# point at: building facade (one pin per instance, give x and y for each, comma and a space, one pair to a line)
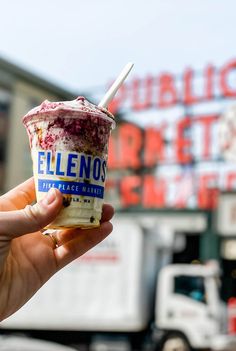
20, 91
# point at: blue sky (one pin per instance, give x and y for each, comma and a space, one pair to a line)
82, 45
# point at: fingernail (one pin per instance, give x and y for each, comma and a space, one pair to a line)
50, 197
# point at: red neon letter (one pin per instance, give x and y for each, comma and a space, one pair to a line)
188, 96
167, 91
128, 187
224, 75
208, 192
154, 192
154, 146
139, 103
207, 123
209, 79
130, 145
183, 144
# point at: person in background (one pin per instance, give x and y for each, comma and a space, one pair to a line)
27, 257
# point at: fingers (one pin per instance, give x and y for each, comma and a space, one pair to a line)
107, 213
31, 218
85, 240
64, 236
19, 197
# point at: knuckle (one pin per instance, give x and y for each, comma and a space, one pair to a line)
34, 217
26, 196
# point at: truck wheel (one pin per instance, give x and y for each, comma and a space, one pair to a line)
175, 342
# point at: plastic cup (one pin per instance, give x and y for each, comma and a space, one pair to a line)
69, 148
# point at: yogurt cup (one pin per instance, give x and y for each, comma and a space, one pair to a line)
69, 148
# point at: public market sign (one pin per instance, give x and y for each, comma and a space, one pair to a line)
168, 150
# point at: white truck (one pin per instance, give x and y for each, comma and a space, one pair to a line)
125, 295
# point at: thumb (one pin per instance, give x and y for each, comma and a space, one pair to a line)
31, 218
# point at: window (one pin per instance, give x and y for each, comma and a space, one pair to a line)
190, 286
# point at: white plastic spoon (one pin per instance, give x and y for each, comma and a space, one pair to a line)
115, 86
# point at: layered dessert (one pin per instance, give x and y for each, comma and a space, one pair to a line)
69, 147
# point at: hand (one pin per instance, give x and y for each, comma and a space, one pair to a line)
27, 257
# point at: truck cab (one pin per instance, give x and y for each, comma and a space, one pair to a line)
189, 311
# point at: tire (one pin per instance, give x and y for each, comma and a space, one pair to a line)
175, 342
